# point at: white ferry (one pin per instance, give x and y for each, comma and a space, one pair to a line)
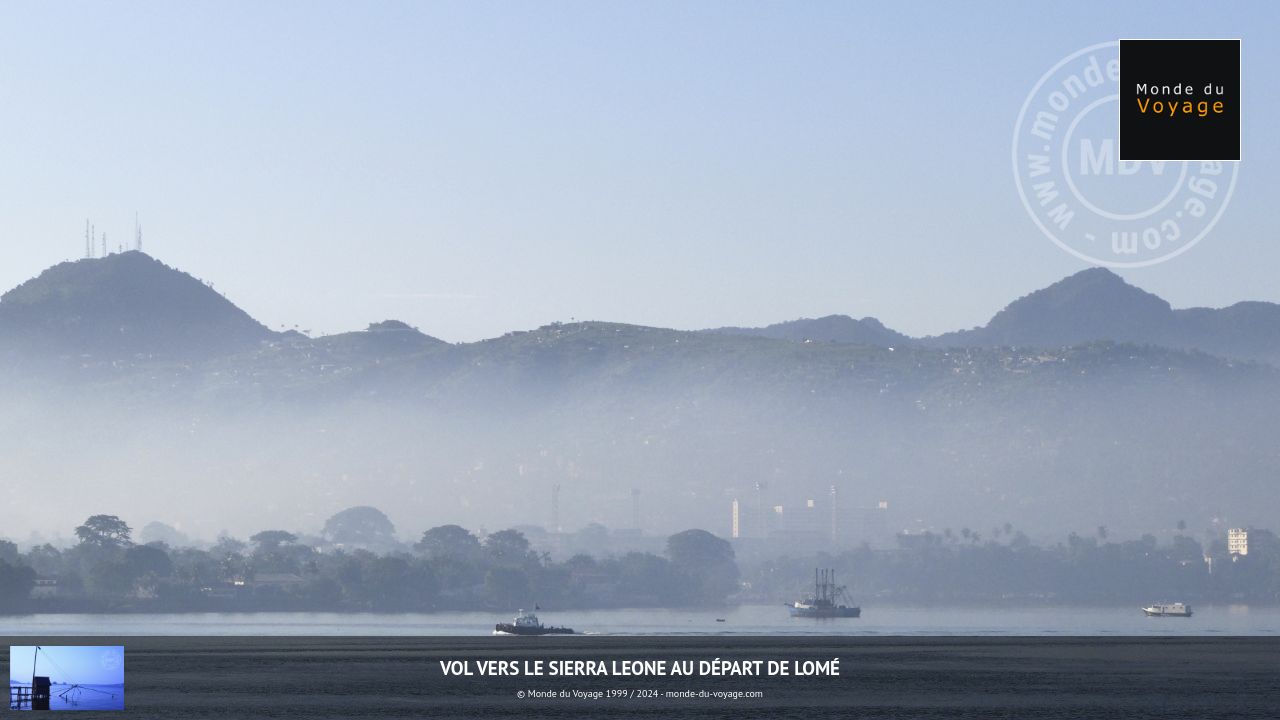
1168, 610
526, 623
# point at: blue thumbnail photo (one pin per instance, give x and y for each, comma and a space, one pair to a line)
66, 677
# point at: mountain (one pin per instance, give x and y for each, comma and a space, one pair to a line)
129, 304
389, 337
1094, 305
122, 306
832, 328
1091, 305
1006, 423
1249, 330
1097, 305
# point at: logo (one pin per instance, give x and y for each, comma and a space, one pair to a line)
1180, 99
1082, 196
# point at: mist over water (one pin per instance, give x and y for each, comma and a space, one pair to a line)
741, 620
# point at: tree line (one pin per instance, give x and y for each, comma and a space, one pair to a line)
957, 568
356, 565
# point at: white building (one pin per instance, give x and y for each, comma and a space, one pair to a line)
1238, 541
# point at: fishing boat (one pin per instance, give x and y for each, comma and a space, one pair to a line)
1167, 610
526, 623
827, 601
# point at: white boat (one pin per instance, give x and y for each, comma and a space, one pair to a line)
526, 623
1168, 610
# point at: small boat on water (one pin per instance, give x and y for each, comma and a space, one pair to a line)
526, 623
827, 601
1167, 610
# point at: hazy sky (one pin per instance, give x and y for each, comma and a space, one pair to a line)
82, 664
473, 168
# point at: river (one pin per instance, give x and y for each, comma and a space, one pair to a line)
741, 620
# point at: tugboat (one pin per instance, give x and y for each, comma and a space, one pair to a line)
1168, 610
526, 623
825, 600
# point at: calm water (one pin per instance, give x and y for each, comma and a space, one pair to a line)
744, 620
83, 697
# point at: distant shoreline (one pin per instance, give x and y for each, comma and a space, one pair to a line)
882, 603
502, 611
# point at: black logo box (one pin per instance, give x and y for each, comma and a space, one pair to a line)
1185, 68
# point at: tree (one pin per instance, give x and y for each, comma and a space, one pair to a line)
8, 552
395, 583
646, 579
45, 559
105, 531
507, 587
698, 548
1186, 549
270, 540
227, 545
362, 526
110, 578
508, 547
707, 562
147, 561
448, 541
276, 551
582, 563
16, 582
197, 568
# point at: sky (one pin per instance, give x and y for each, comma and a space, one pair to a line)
76, 664
474, 168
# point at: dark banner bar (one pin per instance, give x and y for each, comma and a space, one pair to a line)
744, 677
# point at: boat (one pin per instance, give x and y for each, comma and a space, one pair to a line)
526, 623
1167, 610
827, 601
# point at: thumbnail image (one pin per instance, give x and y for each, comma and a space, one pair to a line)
66, 677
